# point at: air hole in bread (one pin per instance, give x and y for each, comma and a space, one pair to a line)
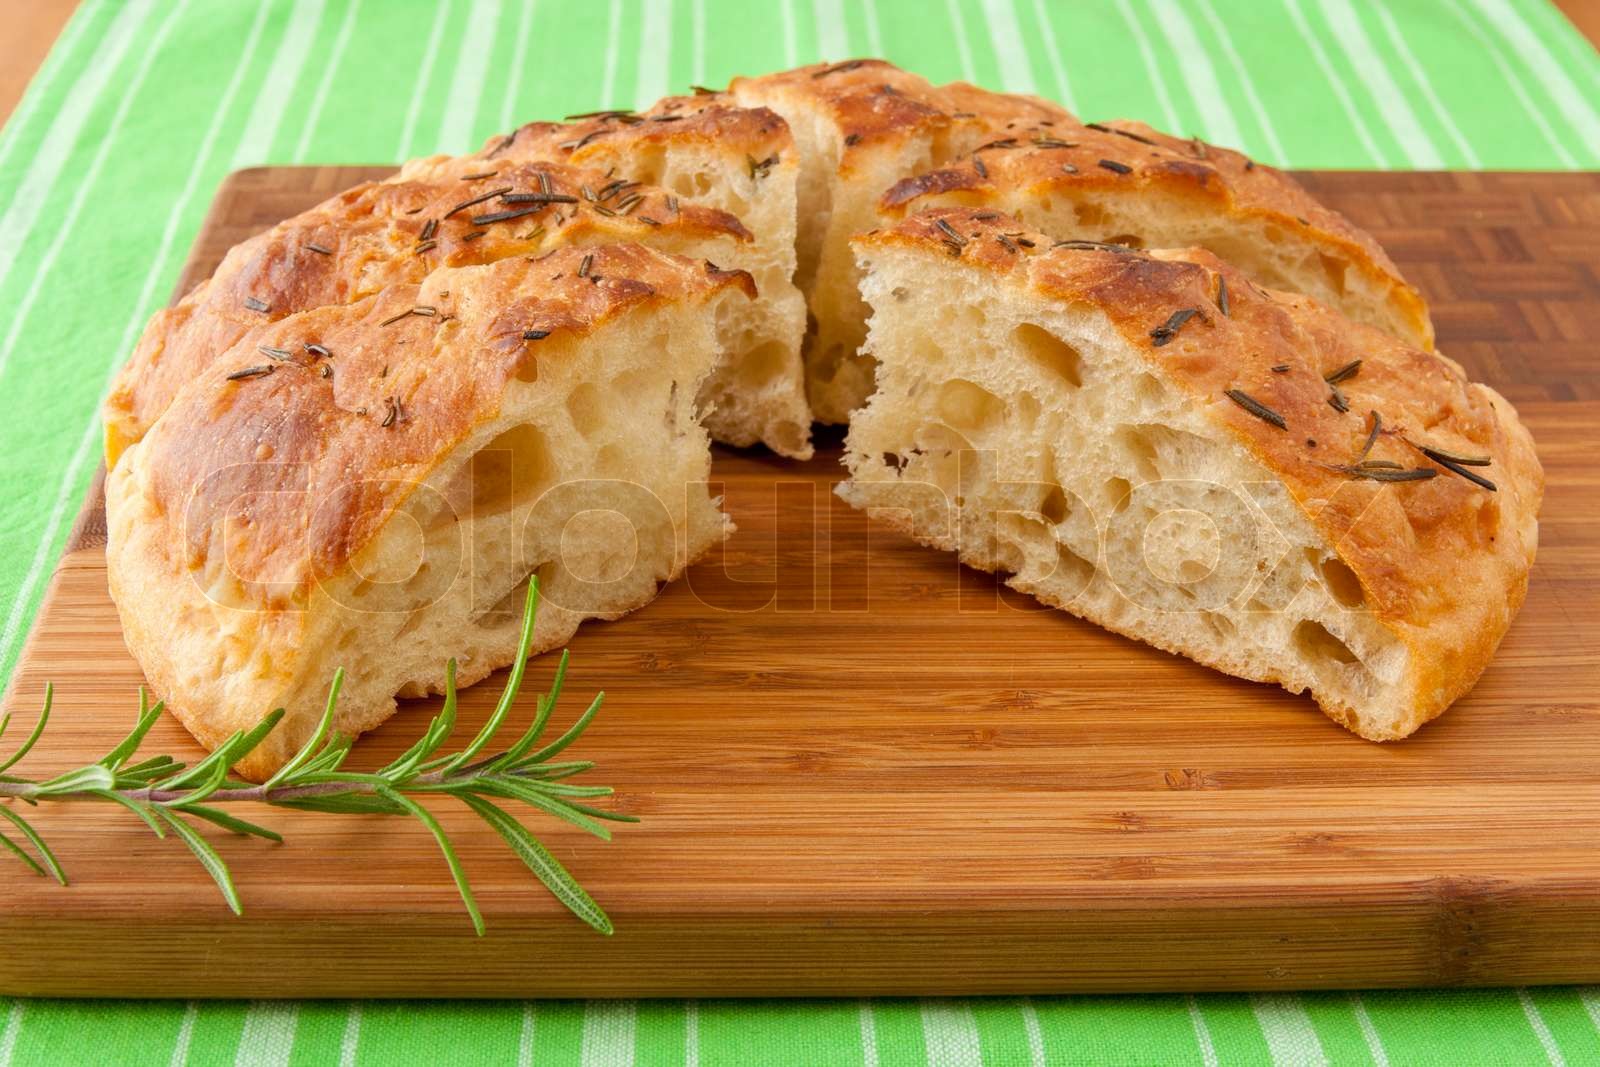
1150, 392
511, 470
1119, 493
1132, 240
584, 408
1314, 641
1089, 216
1059, 360
1055, 507
761, 365
1342, 582
1138, 444
1336, 269
970, 409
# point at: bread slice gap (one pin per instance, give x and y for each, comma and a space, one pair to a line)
382, 508
1092, 425
1123, 182
860, 126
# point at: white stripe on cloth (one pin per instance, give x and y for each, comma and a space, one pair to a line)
608, 74
791, 54
1575, 107
330, 66
1374, 73
833, 35
655, 48
1016, 73
441, 15
691, 1033
874, 37
180, 1045
157, 271
1052, 52
1336, 83
1398, 42
1369, 1031
1589, 997
1520, 91
1202, 1033
350, 1041
1198, 74
1290, 1037
277, 82
608, 1033
698, 59
268, 1035
951, 1034
869, 1034
959, 33
1541, 1030
1035, 1033
1242, 72
519, 57
66, 130
1148, 56
11, 1031
456, 128
530, 1024
41, 271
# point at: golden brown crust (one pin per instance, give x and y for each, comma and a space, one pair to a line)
605, 137
387, 233
274, 424
873, 103
1130, 157
1443, 562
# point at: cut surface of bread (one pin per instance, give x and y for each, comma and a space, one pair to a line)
1153, 442
706, 150
461, 211
859, 127
1125, 183
378, 498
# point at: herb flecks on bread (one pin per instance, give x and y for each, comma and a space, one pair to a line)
487, 424
1155, 443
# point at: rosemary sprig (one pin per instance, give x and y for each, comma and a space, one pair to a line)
171, 796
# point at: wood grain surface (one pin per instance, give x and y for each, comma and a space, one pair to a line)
864, 770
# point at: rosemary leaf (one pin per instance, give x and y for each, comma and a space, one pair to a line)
38, 843
38, 728
425, 817
546, 867
215, 867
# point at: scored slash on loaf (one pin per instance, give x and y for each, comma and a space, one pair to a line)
357, 440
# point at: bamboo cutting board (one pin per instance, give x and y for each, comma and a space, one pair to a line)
862, 769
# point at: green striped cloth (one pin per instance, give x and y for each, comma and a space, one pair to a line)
105, 172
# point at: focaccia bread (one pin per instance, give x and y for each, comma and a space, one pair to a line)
370, 485
1153, 442
1125, 183
702, 149
457, 214
860, 126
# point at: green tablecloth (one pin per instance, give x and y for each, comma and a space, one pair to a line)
108, 164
